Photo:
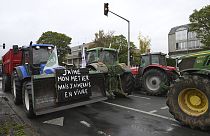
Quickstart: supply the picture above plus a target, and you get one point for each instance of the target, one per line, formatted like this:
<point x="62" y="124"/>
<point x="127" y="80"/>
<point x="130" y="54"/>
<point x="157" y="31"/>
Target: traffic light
<point x="3" y="45"/>
<point x="106" y="9"/>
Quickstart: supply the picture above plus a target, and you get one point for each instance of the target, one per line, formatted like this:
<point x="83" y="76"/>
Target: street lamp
<point x="106" y="10"/>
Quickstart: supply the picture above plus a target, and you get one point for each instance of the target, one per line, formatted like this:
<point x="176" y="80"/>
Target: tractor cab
<point x="40" y="54"/>
<point x="105" y="55"/>
<point x="153" y="59"/>
<point x="35" y="56"/>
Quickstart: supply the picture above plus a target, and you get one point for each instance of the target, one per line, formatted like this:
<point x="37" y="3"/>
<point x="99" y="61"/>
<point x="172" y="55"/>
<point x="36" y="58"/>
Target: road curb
<point x="9" y="116"/>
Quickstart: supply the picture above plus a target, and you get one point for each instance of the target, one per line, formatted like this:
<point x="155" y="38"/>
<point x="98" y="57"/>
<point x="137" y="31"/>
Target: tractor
<point x="153" y="76"/>
<point x="189" y="97"/>
<point x="43" y="90"/>
<point x="119" y="80"/>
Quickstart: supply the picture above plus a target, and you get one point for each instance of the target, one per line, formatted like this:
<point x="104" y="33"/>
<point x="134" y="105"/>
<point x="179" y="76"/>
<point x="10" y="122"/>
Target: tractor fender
<point x="99" y="66"/>
<point x="204" y="72"/>
<point x="22" y="72"/>
<point x="125" y="68"/>
<point x="161" y="67"/>
<point x="153" y="67"/>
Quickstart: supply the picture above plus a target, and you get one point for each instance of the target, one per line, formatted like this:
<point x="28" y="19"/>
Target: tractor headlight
<point x="37" y="47"/>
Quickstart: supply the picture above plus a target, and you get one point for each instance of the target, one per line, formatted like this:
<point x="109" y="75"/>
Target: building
<point x="181" y="41"/>
<point x="75" y="57"/>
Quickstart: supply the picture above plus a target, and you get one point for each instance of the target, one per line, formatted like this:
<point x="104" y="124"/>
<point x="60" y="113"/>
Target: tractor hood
<point x="164" y="67"/>
<point x="99" y="66"/>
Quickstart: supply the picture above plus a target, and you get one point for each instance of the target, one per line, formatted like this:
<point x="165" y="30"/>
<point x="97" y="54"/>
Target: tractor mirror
<point x="15" y="49"/>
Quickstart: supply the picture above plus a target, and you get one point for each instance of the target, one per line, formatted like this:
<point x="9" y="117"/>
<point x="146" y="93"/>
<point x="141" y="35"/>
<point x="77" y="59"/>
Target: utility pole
<point x="106" y="10"/>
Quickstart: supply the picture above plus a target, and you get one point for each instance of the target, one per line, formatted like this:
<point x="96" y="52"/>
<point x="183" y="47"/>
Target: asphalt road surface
<point x="138" y="115"/>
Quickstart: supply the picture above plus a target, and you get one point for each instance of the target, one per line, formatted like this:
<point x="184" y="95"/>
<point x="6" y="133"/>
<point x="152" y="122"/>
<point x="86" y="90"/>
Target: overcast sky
<point x="22" y="21"/>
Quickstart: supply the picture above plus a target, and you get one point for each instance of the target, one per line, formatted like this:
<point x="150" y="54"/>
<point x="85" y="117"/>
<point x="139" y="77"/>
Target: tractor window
<point x="26" y="57"/>
<point x="163" y="60"/>
<point x="41" y="55"/>
<point x="91" y="56"/>
<point x="108" y="57"/>
<point x="145" y="61"/>
<point x="155" y="59"/>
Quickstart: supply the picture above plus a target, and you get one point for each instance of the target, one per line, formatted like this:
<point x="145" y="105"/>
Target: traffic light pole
<point x="128" y="34"/>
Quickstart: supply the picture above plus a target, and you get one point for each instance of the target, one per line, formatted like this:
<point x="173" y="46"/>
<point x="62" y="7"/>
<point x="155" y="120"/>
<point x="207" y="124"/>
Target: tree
<point x="102" y="39"/>
<point x="61" y="41"/>
<point x="144" y="43"/>
<point x="118" y="42"/>
<point x="200" y="23"/>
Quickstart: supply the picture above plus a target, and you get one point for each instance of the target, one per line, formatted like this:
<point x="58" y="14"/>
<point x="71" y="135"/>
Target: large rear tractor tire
<point x="27" y="99"/>
<point x="127" y="81"/>
<point x="16" y="88"/>
<point x="6" y="83"/>
<point x="155" y="82"/>
<point x="188" y="101"/>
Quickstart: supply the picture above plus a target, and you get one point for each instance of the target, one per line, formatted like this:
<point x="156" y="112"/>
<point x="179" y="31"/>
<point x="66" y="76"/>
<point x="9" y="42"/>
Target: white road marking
<point x="56" y="121"/>
<point x="176" y="125"/>
<point x="140" y="111"/>
<point x="103" y="133"/>
<point x="163" y="108"/>
<point x="153" y="111"/>
<point x="169" y="129"/>
<point x="85" y="123"/>
<point x="140" y="97"/>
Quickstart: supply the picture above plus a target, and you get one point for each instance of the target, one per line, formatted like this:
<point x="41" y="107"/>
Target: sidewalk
<point x="10" y="123"/>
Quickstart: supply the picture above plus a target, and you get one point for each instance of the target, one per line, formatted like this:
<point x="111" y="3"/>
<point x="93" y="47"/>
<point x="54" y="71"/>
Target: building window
<point x="194" y="44"/>
<point x="177" y="46"/>
<point x="181" y="35"/>
<point x="191" y="35"/>
<point x="181" y="46"/>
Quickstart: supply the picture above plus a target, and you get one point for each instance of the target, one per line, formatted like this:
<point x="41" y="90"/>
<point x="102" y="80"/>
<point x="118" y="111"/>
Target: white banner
<point x="52" y="61"/>
<point x="83" y="58"/>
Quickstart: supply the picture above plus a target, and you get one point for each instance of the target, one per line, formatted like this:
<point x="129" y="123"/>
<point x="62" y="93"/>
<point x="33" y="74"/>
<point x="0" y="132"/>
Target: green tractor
<point x="118" y="77"/>
<point x="188" y="98"/>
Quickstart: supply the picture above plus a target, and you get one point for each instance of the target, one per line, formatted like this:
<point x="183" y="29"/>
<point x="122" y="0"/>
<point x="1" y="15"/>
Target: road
<point x="138" y="115"/>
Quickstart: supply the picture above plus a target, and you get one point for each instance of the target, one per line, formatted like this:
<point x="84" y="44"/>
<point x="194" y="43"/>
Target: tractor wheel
<point x="127" y="81"/>
<point x="27" y="99"/>
<point x="6" y="83"/>
<point x="16" y="88"/>
<point x="188" y="101"/>
<point x="155" y="82"/>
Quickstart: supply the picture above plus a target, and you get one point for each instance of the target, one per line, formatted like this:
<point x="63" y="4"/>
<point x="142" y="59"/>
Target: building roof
<point x="98" y="48"/>
<point x="174" y="29"/>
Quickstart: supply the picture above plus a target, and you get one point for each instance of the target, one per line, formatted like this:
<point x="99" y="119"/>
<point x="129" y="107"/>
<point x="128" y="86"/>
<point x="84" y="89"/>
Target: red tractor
<point x="153" y="76"/>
